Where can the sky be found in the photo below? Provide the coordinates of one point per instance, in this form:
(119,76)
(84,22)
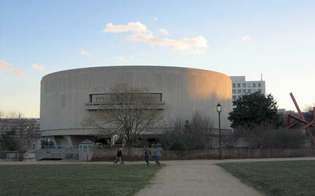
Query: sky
(275,38)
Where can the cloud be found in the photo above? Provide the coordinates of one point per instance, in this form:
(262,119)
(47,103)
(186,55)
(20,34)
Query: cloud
(135,27)
(38,67)
(18,72)
(4,65)
(164,31)
(138,32)
(11,69)
(198,42)
(84,52)
(246,38)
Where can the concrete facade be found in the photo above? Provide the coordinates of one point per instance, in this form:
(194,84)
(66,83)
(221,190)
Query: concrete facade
(66,96)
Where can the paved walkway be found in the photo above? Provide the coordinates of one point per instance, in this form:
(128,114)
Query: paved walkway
(187,178)
(201,178)
(195,178)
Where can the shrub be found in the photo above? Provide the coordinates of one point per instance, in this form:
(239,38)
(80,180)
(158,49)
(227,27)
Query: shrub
(266,137)
(190,135)
(283,138)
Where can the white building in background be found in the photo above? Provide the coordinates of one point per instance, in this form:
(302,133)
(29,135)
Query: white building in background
(242,87)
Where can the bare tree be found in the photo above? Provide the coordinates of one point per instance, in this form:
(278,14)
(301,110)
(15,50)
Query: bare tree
(129,112)
(189,134)
(18,134)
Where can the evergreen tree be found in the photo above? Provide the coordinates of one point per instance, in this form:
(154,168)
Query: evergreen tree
(254,110)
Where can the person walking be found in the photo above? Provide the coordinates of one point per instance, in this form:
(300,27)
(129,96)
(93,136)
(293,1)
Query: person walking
(157,153)
(147,154)
(119,156)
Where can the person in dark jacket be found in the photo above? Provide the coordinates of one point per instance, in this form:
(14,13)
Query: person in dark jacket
(147,155)
(119,156)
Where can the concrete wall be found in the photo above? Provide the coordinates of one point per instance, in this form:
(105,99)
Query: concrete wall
(64,94)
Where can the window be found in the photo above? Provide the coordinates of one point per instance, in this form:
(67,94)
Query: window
(254,84)
(238,85)
(259,85)
(234,85)
(99,99)
(239,91)
(244,84)
(234,91)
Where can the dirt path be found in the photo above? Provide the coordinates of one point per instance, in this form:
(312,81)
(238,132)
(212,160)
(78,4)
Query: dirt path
(195,178)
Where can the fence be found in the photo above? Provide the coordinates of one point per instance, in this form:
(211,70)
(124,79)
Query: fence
(57,154)
(231,153)
(11,156)
(133,154)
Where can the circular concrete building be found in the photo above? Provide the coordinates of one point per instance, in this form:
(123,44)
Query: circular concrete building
(70,97)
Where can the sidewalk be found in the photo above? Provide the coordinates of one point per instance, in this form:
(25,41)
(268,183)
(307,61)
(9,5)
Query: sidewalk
(195,178)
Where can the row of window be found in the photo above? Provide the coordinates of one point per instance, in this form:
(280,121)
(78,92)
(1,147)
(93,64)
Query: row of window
(235,97)
(235,85)
(116,98)
(239,91)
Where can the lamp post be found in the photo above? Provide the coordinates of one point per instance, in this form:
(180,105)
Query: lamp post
(219,110)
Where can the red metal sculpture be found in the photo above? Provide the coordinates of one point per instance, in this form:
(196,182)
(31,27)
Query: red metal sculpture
(300,119)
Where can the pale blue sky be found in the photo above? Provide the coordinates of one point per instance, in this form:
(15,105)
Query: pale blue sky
(276,38)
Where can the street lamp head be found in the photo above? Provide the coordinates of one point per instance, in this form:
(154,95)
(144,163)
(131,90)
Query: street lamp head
(219,107)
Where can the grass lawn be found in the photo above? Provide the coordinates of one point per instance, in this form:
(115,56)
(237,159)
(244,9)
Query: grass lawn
(276,178)
(87,179)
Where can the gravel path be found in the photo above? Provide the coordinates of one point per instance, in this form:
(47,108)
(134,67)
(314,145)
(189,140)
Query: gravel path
(195,178)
